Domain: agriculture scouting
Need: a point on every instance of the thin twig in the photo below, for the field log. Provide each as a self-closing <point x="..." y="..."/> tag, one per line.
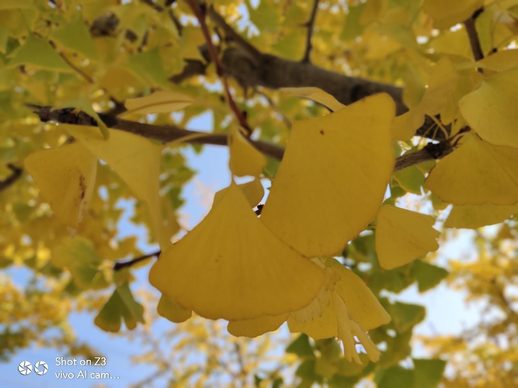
<point x="16" y="173"/>
<point x="474" y="40"/>
<point x="172" y="16"/>
<point x="310" y="26"/>
<point x="124" y="264"/>
<point x="232" y="34"/>
<point x="200" y="13"/>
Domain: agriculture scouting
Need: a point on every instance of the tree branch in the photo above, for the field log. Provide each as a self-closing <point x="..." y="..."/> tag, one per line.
<point x="251" y="68"/>
<point x="161" y="133"/>
<point x="167" y="133"/>
<point x="16" y="173"/>
<point x="474" y="40"/>
<point x="310" y="26"/>
<point x="124" y="264"/>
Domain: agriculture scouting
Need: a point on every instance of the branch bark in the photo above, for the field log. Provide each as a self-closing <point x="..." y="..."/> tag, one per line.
<point x="167" y="133"/>
<point x="252" y="67"/>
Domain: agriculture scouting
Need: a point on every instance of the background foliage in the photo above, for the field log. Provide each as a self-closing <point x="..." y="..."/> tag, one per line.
<point x="60" y="58"/>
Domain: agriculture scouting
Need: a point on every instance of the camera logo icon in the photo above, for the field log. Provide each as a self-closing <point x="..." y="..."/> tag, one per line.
<point x="41" y="368"/>
<point x="25" y="368"/>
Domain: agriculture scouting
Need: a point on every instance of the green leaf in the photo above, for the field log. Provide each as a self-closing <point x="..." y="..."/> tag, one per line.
<point x="411" y="179"/>
<point x="75" y="36"/>
<point x="362" y="249"/>
<point x="325" y="368"/>
<point x="398" y="349"/>
<point x="428" y="372"/>
<point x="301" y="347"/>
<point x="77" y="254"/>
<point x="15" y="4"/>
<point x="352" y="26"/>
<point x="148" y="66"/>
<point x="395" y="377"/>
<point x="342" y="382"/>
<point x="306" y="371"/>
<point x="121" y="306"/>
<point x="427" y="275"/>
<point x="406" y="315"/>
<point x="4" y="36"/>
<point x="38" y="52"/>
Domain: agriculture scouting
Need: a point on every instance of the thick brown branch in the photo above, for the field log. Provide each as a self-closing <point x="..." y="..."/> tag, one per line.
<point x="16" y="173"/>
<point x="251" y="67"/>
<point x="309" y="35"/>
<point x="124" y="264"/>
<point x="275" y="72"/>
<point x="474" y="40"/>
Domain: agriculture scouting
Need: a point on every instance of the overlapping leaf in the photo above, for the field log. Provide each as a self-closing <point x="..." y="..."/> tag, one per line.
<point x="245" y="159"/>
<point x="344" y="308"/>
<point x="476" y="216"/>
<point x="402" y="236"/>
<point x="333" y="177"/>
<point x="164" y="101"/>
<point x="447" y="13"/>
<point x="136" y="160"/>
<point x="315" y="94"/>
<point x="65" y="177"/>
<point x="491" y="111"/>
<point x="242" y="270"/>
<point x="476" y="173"/>
<point x="121" y="307"/>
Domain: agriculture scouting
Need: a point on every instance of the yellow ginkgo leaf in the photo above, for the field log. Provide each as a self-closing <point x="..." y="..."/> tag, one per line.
<point x="172" y="311"/>
<point x="136" y="160"/>
<point x="402" y="236"/>
<point x="446" y="86"/>
<point x="447" y="13"/>
<point x="363" y="306"/>
<point x="315" y="94"/>
<point x="333" y="177"/>
<point x="347" y="309"/>
<point x="500" y="61"/>
<point x="491" y="111"/>
<point x="476" y="216"/>
<point x="164" y="101"/>
<point x="405" y="126"/>
<point x="255" y="327"/>
<point x="476" y="173"/>
<point x="231" y="266"/>
<point x="245" y="159"/>
<point x="253" y="192"/>
<point x="65" y="177"/>
<point x="344" y="307"/>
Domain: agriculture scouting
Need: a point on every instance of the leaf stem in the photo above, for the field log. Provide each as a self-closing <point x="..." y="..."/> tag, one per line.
<point x="474" y="40"/>
<point x="124" y="264"/>
<point x="200" y="13"/>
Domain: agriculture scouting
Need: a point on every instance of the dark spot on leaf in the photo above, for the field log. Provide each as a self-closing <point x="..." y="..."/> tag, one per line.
<point x="322" y="132"/>
<point x="82" y="186"/>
